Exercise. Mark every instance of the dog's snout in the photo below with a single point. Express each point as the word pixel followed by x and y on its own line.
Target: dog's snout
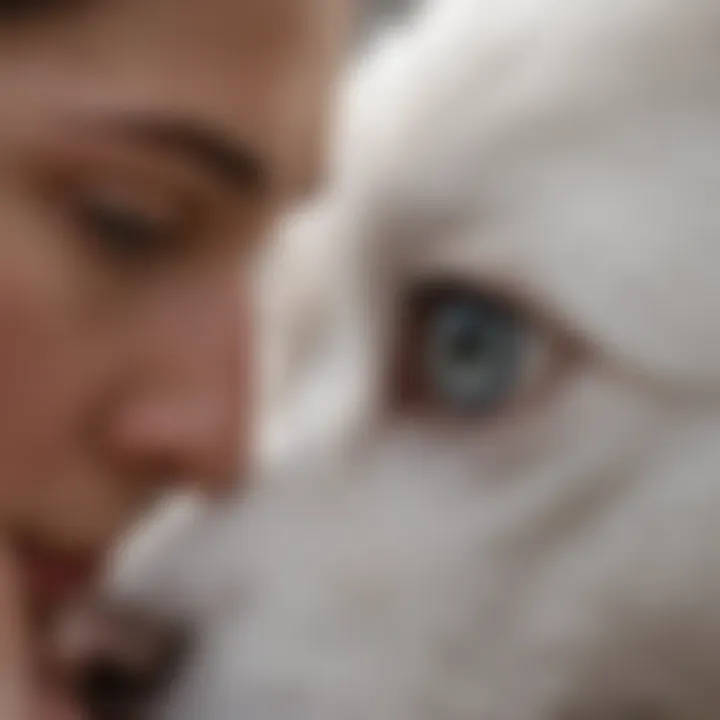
pixel 111 688
pixel 119 661
pixel 109 691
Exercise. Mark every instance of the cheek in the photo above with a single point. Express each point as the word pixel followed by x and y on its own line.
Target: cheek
pixel 56 364
pixel 40 377
pixel 40 290
pixel 245 359
pixel 591 428
pixel 591 424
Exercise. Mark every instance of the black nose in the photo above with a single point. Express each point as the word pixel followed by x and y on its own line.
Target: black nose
pixel 111 689
pixel 110 692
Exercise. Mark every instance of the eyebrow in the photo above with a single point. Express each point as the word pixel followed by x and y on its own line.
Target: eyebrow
pixel 228 160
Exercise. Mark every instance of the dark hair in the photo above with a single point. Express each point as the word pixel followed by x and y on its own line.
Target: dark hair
pixel 21 10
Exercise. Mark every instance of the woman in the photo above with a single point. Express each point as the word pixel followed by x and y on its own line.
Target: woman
pixel 144 146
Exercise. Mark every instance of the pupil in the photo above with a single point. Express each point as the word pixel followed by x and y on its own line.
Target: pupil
pixel 468 346
pixel 472 354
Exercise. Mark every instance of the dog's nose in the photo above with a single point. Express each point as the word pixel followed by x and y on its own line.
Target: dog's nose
pixel 118 661
pixel 110 690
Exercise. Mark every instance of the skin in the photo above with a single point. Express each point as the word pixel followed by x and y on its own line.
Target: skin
pixel 144 147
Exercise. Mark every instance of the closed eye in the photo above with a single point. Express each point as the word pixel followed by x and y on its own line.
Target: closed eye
pixel 125 233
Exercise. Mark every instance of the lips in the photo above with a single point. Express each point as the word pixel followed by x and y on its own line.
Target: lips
pixel 55 575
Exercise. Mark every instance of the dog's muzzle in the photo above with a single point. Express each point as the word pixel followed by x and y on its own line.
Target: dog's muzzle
pixel 117 660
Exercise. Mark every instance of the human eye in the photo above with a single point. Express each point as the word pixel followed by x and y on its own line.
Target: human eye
pixel 127 225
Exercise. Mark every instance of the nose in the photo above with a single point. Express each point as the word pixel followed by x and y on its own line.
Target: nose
pixel 183 414
pixel 116 660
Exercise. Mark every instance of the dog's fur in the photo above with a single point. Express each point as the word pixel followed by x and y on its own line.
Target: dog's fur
pixel 559 559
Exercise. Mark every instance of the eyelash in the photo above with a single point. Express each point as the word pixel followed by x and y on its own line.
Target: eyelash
pixel 128 230
pixel 125 234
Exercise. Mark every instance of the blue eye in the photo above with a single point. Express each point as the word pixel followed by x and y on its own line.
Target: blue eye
pixel 470 349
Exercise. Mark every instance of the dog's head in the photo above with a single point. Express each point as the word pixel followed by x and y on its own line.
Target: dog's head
pixel 507 503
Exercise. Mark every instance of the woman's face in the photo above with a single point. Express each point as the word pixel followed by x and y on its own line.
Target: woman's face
pixel 144 145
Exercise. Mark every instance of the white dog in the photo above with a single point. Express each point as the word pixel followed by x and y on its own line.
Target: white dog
pixel 494 491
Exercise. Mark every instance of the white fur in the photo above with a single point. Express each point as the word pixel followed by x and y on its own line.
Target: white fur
pixel 557 561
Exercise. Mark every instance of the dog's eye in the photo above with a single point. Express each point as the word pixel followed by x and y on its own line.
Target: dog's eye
pixel 461 351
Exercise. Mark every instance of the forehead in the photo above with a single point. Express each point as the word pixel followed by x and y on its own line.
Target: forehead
pixel 568 153
pixel 260 70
